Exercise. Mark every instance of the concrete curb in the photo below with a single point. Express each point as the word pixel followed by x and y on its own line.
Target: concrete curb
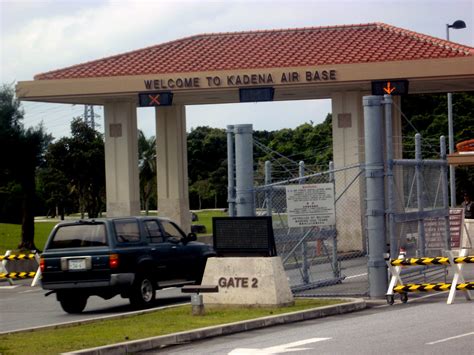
pixel 185 337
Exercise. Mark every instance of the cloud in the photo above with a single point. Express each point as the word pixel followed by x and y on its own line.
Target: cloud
pixel 39 36
pixel 43 35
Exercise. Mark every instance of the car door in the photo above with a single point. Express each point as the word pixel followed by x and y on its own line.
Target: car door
pixel 162 250
pixel 184 253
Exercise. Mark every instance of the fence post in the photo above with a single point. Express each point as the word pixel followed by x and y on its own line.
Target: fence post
pixel 230 171
pixel 444 184
pixel 335 263
pixel 419 193
pixel 268 189
pixel 374 176
pixel 244 170
pixel 388 101
pixel 304 246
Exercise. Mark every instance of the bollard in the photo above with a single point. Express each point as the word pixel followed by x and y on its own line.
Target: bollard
pixel 197 304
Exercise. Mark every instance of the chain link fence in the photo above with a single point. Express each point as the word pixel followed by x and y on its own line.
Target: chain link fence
pixel 322 260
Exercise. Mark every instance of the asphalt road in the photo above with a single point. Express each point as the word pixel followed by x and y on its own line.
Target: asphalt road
pixel 22 306
pixel 423 326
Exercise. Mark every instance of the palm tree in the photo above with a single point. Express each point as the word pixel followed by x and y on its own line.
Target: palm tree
pixel 147 168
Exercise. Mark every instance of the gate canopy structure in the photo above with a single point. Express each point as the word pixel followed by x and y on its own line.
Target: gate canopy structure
pixel 337 62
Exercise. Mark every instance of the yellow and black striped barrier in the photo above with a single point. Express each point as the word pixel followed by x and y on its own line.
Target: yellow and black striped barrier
pixel 456 263
pixel 12 257
pixel 440 260
pixel 432 287
pixel 10 276
pixel 17 275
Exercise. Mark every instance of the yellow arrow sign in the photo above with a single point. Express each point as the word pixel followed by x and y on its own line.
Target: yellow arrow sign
pixel 389 89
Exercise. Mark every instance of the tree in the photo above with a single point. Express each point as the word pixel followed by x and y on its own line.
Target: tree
pixel 79 162
pixel 54 189
pixel 207 162
pixel 428 113
pixel 32 145
pixel 204 191
pixel 22 152
pixel 147 169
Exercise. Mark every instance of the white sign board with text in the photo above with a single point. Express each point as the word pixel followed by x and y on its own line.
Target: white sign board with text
pixel 310 205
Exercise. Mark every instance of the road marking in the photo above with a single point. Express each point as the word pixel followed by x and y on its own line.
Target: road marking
pixel 8 287
pixel 278 349
pixel 353 276
pixel 451 338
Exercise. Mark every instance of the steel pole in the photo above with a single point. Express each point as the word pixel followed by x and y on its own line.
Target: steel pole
pixel 374 177
pixel 244 170
pixel 304 246
pixel 452 172
pixel 388 101
pixel 268 189
pixel 444 184
pixel 419 193
pixel 335 263
pixel 230 171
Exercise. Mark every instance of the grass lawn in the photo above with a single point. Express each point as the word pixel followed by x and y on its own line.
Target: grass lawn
pixel 205 218
pixel 157 323
pixel 10 235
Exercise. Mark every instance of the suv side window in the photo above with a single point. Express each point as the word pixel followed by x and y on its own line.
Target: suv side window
pixel 153 232
pixel 171 230
pixel 126 230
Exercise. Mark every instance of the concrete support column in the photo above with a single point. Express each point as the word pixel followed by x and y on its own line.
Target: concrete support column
pixel 348 149
pixel 172 165
pixel 121 159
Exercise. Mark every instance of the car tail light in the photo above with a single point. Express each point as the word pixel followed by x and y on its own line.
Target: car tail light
pixel 113 261
pixel 41 265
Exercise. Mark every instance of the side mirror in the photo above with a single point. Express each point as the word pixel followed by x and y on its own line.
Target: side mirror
pixel 191 237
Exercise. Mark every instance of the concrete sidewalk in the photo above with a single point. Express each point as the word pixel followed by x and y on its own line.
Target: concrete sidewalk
pixel 147 344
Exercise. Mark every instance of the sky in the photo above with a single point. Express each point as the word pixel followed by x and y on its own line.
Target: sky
pixel 41 35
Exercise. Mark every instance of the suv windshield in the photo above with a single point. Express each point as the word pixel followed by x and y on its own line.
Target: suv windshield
pixel 81 235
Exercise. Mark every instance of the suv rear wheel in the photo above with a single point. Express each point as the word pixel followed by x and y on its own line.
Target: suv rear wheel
pixel 143 291
pixel 72 303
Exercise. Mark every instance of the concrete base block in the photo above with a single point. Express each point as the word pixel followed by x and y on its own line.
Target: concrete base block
pixel 253 281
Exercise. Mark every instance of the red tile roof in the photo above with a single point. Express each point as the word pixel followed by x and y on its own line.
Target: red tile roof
pixel 373 42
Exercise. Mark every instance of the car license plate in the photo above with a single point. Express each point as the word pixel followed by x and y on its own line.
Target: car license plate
pixel 77 264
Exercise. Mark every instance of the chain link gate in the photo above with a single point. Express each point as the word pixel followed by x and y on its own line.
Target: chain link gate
pixel 419 212
pixel 328 260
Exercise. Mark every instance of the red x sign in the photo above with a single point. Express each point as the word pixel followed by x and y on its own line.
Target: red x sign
pixel 154 99
pixel 150 99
